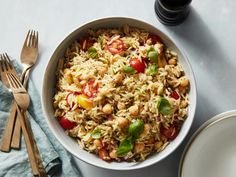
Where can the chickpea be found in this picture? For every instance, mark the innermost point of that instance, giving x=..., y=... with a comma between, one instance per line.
x=158, y=145
x=102, y=71
x=97, y=143
x=149, y=41
x=146, y=130
x=112, y=154
x=183, y=81
x=183, y=104
x=151, y=140
x=139, y=147
x=69, y=79
x=123, y=122
x=120, y=105
x=134, y=110
x=172, y=61
x=118, y=78
x=107, y=109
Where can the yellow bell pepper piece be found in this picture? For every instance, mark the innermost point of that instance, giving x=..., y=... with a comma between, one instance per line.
x=84, y=101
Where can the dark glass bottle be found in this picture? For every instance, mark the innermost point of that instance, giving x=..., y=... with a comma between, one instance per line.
x=172, y=12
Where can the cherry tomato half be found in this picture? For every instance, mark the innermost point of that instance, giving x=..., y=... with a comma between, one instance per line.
x=137, y=64
x=103, y=154
x=89, y=89
x=66, y=124
x=116, y=47
x=174, y=95
x=86, y=43
x=155, y=39
x=171, y=132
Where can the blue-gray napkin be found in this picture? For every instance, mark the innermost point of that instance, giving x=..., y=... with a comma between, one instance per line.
x=57, y=161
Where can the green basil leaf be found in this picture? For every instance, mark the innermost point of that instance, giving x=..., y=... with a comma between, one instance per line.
x=152, y=69
x=92, y=52
x=125, y=146
x=153, y=55
x=136, y=128
x=96, y=133
x=150, y=49
x=164, y=106
x=129, y=69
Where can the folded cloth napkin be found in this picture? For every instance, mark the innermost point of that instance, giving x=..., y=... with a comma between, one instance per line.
x=56, y=160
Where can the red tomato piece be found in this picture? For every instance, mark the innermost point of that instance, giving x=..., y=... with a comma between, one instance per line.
x=66, y=124
x=116, y=47
x=103, y=154
x=89, y=89
x=155, y=38
x=86, y=43
x=171, y=132
x=137, y=65
x=174, y=95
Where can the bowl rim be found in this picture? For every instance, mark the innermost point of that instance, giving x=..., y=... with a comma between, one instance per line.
x=193, y=90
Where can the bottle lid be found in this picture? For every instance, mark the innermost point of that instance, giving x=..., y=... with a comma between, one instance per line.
x=171, y=16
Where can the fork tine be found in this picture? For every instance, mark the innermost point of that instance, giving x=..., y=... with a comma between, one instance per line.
x=4, y=63
x=26, y=39
x=1, y=63
x=36, y=41
x=8, y=61
x=34, y=38
x=31, y=39
x=11, y=82
x=16, y=81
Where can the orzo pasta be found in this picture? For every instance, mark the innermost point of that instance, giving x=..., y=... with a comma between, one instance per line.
x=121, y=94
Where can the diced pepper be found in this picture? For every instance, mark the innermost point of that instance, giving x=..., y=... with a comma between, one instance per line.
x=84, y=101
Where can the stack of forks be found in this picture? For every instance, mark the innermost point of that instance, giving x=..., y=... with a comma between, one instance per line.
x=18, y=120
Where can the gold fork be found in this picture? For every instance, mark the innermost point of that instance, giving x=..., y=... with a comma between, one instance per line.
x=29, y=52
x=22, y=99
x=7, y=67
x=20, y=94
x=29, y=55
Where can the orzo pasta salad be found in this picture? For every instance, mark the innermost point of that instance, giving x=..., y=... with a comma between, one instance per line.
x=121, y=94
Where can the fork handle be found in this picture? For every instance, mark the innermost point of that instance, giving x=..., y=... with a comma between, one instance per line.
x=7, y=136
x=16, y=138
x=42, y=172
x=29, y=142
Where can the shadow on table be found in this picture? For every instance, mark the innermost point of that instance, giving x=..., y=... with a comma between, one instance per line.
x=196, y=36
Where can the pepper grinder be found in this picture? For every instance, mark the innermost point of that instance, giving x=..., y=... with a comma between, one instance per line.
x=172, y=12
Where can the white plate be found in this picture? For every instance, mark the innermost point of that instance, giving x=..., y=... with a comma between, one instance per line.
x=211, y=151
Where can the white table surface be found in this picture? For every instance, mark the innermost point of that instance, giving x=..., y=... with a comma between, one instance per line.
x=207, y=36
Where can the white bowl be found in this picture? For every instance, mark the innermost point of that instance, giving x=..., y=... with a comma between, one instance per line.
x=49, y=90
